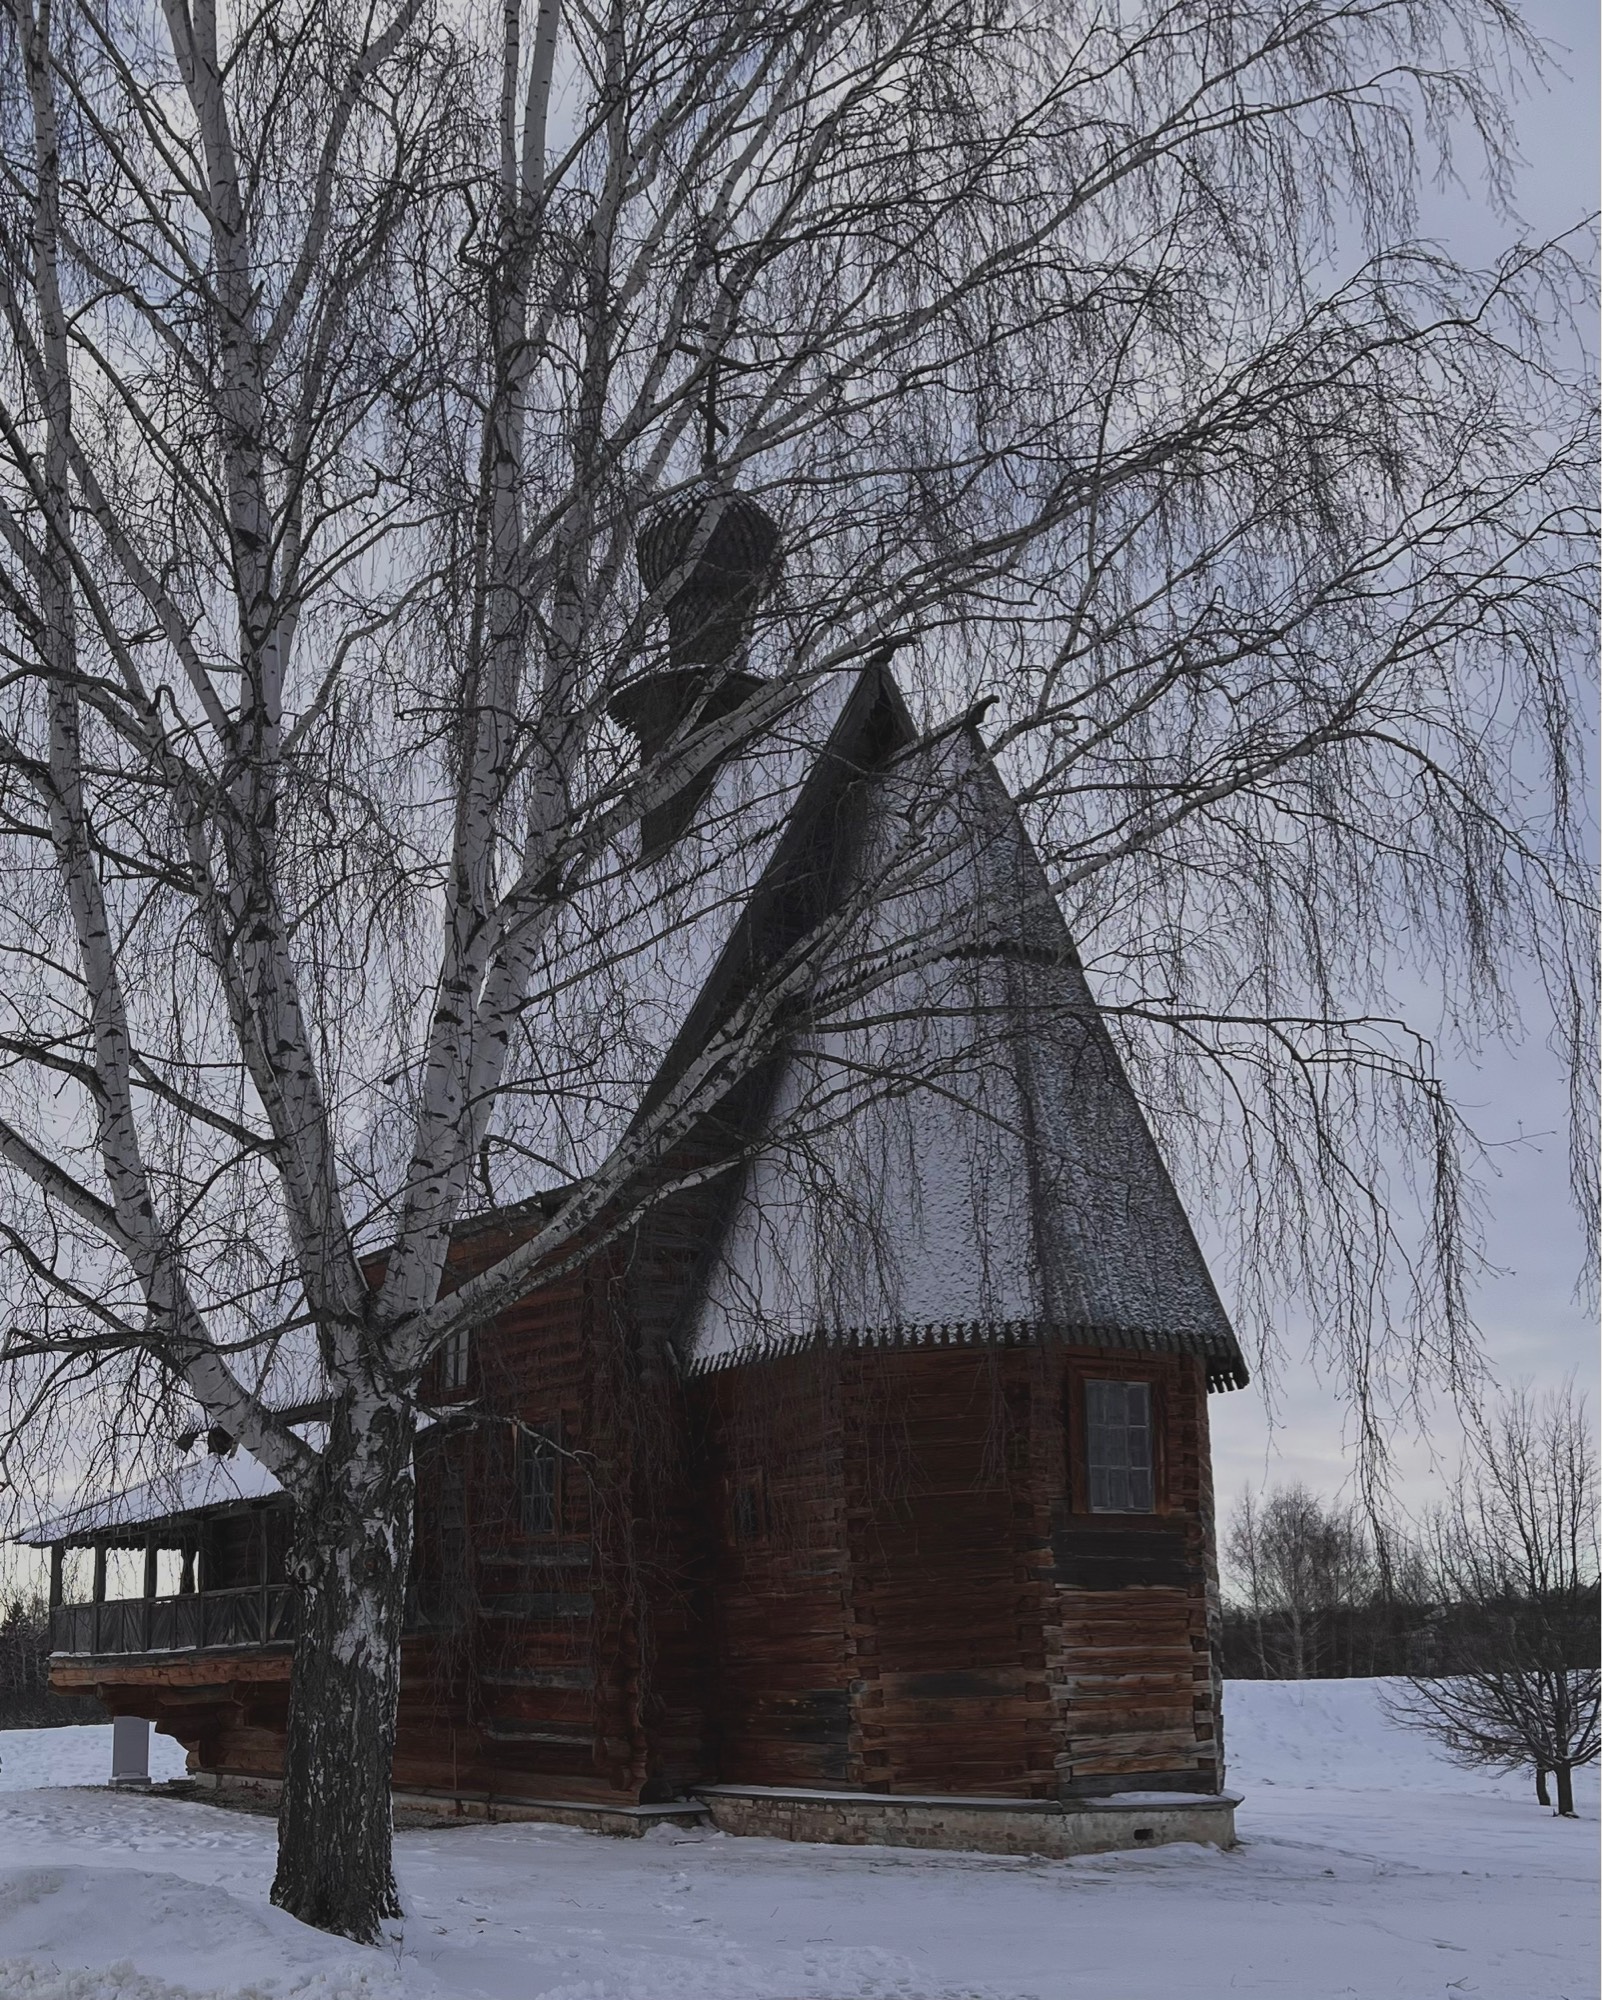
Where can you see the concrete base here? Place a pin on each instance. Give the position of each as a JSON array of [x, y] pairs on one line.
[[417, 1806], [625, 1822], [985, 1826], [849, 1819]]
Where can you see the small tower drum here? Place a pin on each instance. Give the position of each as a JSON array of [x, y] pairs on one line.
[[713, 556]]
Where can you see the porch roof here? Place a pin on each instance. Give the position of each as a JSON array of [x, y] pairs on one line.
[[210, 1481]]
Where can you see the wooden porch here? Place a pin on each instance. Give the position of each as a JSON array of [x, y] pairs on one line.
[[261, 1614]]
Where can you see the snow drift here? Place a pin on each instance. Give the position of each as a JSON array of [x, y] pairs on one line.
[[1370, 1868]]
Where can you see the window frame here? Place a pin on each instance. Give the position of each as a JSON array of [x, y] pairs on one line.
[[455, 1362], [537, 1443], [1077, 1437], [748, 1517], [1132, 1470]]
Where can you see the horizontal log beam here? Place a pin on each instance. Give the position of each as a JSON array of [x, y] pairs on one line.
[[208, 1670]]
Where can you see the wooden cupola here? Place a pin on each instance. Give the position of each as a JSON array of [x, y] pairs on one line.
[[715, 553]]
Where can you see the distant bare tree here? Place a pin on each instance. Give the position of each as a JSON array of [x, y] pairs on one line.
[[1300, 1570], [1512, 1558], [26, 1698], [24, 1660], [1090, 359]]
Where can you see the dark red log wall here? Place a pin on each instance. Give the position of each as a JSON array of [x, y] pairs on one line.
[[913, 1596], [860, 1568]]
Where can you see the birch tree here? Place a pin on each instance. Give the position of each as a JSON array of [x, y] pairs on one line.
[[1089, 359], [1512, 1560], [1305, 1572]]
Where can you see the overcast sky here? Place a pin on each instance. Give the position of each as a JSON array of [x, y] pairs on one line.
[[1534, 1328]]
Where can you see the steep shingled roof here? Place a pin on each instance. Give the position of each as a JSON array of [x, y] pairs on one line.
[[951, 1151]]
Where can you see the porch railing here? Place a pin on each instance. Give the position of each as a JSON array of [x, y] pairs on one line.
[[266, 1614]]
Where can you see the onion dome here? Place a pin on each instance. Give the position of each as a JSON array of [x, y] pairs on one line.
[[737, 563], [724, 548]]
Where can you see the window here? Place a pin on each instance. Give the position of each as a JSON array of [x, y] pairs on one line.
[[748, 1509], [443, 1571], [539, 1483], [453, 1361], [1118, 1446]]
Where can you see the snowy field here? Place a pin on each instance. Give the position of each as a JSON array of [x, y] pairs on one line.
[[1370, 1869]]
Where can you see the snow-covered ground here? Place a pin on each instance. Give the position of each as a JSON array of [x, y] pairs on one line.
[[1369, 1868], [30, 1758]]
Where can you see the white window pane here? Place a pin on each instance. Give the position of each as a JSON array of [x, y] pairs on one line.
[[1118, 1440]]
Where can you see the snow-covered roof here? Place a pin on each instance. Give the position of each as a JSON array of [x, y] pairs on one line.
[[953, 1152], [213, 1479], [993, 1181]]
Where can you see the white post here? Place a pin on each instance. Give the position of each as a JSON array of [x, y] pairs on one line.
[[130, 1751]]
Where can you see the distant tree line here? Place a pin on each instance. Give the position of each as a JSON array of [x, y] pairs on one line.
[[1313, 1593], [1486, 1612], [26, 1699]]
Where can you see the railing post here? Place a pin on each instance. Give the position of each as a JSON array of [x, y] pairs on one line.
[[148, 1615]]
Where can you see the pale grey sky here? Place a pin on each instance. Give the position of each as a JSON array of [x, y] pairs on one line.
[[1534, 1328]]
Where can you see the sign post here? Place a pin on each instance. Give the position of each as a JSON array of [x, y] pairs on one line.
[[130, 1752]]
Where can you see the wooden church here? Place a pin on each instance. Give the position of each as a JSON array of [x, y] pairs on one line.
[[860, 1490]]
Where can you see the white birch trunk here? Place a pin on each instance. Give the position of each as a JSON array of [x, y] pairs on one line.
[[353, 1537]]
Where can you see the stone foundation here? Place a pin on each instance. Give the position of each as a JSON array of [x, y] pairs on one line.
[[985, 1826], [418, 1807], [624, 1822], [846, 1819]]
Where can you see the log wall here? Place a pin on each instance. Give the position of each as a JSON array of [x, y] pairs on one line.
[[869, 1570], [928, 1604], [526, 1681]]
